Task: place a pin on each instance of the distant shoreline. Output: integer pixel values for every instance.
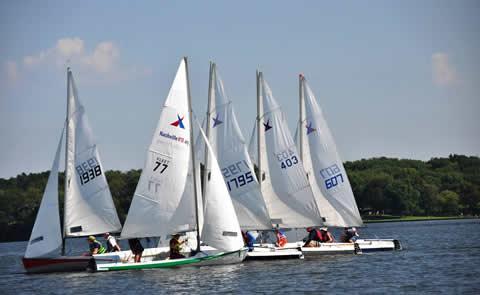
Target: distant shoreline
(390, 218)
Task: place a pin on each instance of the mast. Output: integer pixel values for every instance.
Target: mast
(300, 107)
(259, 111)
(192, 151)
(211, 91)
(67, 171)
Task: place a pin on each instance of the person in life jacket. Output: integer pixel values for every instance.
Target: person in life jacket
(281, 238)
(95, 246)
(317, 236)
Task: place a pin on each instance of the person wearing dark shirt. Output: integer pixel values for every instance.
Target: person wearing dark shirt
(176, 247)
(95, 246)
(136, 248)
(349, 235)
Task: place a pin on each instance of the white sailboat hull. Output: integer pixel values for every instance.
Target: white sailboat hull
(270, 252)
(360, 246)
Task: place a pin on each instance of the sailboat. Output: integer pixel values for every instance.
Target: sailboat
(328, 178)
(88, 207)
(283, 182)
(225, 136)
(166, 200)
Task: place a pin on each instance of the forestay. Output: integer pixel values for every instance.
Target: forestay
(221, 229)
(164, 199)
(330, 182)
(286, 190)
(46, 237)
(89, 207)
(229, 146)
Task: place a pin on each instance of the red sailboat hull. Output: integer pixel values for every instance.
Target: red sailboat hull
(57, 264)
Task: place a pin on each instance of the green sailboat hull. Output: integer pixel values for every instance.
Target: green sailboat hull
(198, 260)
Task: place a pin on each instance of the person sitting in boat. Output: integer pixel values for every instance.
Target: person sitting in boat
(112, 245)
(281, 238)
(95, 246)
(249, 239)
(176, 247)
(317, 236)
(349, 235)
(136, 248)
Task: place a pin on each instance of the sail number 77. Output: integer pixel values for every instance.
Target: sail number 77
(161, 165)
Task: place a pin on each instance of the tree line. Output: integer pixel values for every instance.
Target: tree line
(438, 187)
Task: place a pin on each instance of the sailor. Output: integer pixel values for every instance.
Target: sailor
(249, 239)
(317, 236)
(349, 235)
(136, 248)
(112, 245)
(95, 246)
(176, 247)
(281, 238)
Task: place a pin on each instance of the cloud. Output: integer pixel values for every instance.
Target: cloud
(12, 71)
(103, 61)
(443, 73)
(104, 57)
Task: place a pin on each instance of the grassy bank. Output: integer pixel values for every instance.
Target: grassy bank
(393, 218)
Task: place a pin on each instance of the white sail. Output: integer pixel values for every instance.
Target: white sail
(89, 207)
(329, 179)
(164, 198)
(230, 148)
(46, 237)
(286, 190)
(253, 145)
(221, 229)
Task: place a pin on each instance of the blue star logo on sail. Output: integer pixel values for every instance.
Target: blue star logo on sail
(216, 121)
(310, 129)
(179, 122)
(267, 125)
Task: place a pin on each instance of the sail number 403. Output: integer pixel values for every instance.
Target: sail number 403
(332, 176)
(286, 158)
(88, 170)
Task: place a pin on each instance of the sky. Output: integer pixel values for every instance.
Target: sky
(394, 78)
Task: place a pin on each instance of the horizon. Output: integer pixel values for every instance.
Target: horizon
(395, 80)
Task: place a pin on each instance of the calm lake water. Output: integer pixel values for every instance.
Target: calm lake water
(439, 257)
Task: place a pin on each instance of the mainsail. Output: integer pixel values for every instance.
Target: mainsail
(286, 190)
(164, 198)
(46, 237)
(328, 179)
(230, 148)
(89, 207)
